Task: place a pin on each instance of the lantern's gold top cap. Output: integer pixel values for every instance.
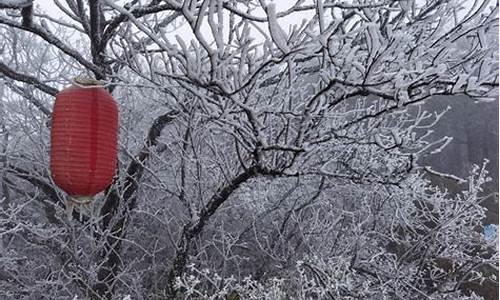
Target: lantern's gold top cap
(86, 81)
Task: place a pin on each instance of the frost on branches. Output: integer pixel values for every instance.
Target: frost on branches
(393, 243)
(267, 150)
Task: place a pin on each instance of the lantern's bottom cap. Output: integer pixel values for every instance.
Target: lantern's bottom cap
(81, 199)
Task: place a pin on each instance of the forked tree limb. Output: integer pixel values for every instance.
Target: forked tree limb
(53, 40)
(192, 230)
(107, 273)
(47, 188)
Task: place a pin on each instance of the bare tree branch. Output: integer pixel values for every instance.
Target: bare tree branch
(8, 72)
(15, 4)
(52, 39)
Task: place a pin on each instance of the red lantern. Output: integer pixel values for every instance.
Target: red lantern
(83, 140)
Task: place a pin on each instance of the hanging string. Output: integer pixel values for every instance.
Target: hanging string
(80, 201)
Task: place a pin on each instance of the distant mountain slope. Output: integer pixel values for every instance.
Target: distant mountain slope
(474, 128)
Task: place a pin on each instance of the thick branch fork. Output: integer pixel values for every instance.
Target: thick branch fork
(194, 229)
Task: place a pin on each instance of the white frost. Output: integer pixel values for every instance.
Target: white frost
(277, 33)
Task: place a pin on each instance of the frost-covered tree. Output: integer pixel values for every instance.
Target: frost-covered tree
(268, 150)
